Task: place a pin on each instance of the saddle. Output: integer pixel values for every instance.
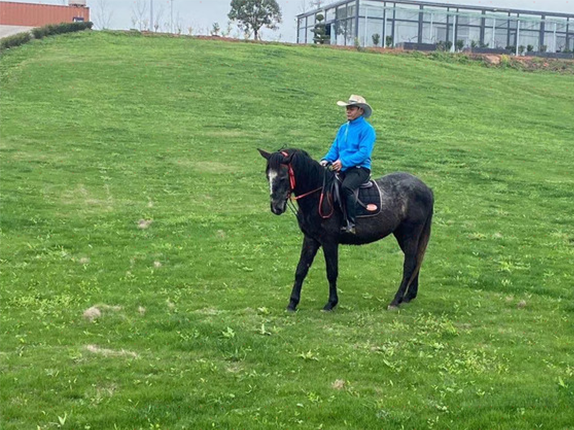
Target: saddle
(368, 195)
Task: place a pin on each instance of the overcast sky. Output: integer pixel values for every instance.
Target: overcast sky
(201, 14)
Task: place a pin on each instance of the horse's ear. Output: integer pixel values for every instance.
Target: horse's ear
(264, 154)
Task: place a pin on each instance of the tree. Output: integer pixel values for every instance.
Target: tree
(313, 4)
(251, 15)
(102, 16)
(215, 29)
(228, 30)
(156, 25)
(139, 14)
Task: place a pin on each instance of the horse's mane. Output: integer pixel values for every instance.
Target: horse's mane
(303, 165)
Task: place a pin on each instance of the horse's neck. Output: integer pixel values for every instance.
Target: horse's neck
(310, 204)
(308, 182)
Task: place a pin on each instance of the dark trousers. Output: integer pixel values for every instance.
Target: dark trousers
(352, 179)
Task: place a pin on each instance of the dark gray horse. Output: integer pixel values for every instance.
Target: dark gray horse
(407, 208)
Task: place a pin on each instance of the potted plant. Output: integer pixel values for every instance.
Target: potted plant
(459, 45)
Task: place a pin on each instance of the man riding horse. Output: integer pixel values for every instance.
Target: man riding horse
(350, 153)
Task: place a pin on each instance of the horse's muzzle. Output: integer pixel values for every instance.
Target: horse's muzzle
(278, 208)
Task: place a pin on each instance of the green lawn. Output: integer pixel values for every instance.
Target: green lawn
(130, 181)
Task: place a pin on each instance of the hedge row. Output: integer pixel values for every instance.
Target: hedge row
(40, 32)
(15, 40)
(65, 27)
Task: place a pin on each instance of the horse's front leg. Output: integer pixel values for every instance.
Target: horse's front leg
(331, 251)
(308, 252)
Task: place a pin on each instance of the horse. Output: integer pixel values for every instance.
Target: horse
(406, 212)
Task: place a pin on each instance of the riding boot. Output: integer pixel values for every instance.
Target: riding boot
(350, 203)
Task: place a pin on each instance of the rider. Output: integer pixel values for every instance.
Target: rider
(350, 153)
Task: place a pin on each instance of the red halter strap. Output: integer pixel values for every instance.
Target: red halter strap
(291, 173)
(292, 182)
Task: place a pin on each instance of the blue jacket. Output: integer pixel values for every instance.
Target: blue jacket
(353, 145)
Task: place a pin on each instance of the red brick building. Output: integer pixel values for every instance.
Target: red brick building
(17, 16)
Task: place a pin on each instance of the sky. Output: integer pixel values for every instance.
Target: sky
(200, 15)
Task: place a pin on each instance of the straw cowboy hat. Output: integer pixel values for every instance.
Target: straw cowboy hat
(360, 102)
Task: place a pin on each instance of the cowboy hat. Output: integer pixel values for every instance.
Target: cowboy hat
(359, 102)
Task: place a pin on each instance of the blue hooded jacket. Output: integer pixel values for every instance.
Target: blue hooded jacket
(353, 145)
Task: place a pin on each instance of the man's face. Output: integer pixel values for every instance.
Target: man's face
(354, 112)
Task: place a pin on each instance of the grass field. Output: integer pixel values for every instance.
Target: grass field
(130, 182)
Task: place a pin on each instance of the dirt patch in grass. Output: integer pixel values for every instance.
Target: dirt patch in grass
(96, 311)
(144, 223)
(339, 384)
(95, 349)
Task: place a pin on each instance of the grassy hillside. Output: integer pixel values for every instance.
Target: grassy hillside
(130, 182)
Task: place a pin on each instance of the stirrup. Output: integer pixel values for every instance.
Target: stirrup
(349, 228)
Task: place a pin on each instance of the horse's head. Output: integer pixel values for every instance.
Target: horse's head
(280, 177)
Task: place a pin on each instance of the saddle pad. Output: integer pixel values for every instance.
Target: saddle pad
(369, 200)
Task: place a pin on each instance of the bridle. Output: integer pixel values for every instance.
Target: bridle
(293, 183)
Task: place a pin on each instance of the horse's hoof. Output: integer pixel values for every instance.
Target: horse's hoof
(328, 308)
(393, 308)
(290, 309)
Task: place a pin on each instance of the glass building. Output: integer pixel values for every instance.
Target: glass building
(398, 22)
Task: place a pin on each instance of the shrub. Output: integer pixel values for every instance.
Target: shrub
(320, 31)
(65, 27)
(474, 44)
(542, 48)
(444, 46)
(376, 39)
(530, 48)
(459, 45)
(15, 40)
(521, 49)
(389, 41)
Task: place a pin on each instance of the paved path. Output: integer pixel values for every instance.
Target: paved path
(9, 30)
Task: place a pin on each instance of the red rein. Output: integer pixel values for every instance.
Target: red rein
(292, 184)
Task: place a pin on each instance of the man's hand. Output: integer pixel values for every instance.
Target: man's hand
(337, 165)
(323, 163)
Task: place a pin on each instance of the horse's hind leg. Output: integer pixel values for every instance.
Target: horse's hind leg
(413, 242)
(409, 266)
(411, 293)
(408, 239)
